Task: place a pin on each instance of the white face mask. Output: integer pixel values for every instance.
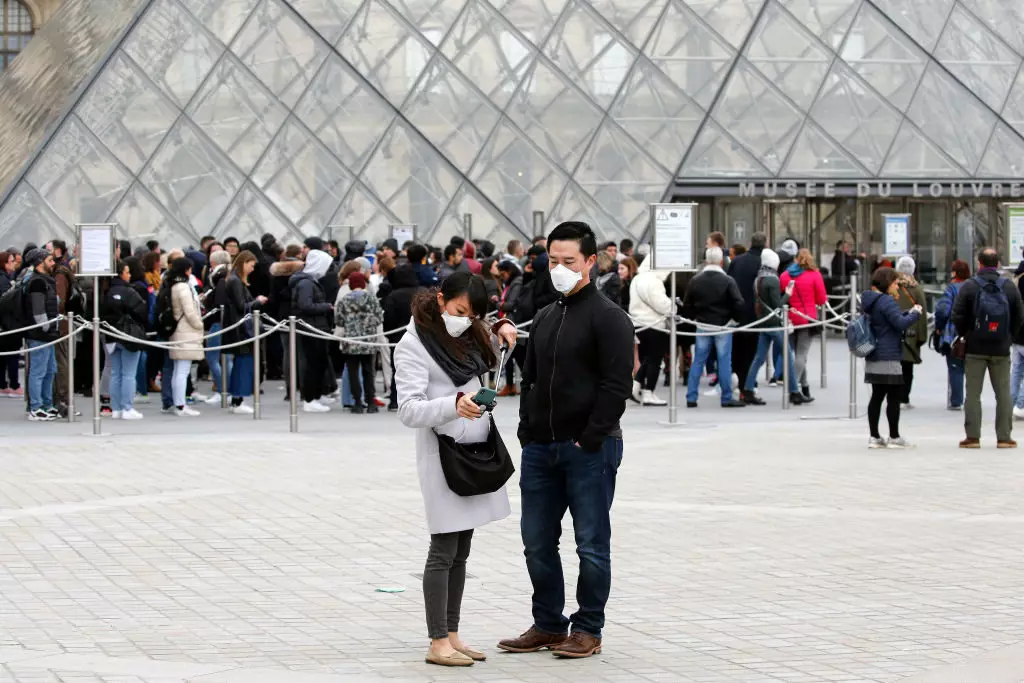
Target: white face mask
(563, 279)
(455, 324)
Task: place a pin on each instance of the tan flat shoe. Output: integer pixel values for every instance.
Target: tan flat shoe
(454, 659)
(475, 655)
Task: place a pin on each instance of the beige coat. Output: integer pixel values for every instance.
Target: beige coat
(185, 305)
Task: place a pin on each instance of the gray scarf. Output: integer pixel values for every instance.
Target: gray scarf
(459, 370)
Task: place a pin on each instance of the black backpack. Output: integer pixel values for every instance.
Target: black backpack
(166, 323)
(991, 311)
(12, 309)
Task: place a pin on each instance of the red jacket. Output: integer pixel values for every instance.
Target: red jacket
(808, 293)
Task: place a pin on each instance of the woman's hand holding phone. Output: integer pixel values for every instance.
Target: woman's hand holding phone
(467, 408)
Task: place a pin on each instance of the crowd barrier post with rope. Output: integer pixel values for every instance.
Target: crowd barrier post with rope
(293, 406)
(853, 358)
(71, 368)
(673, 354)
(256, 360)
(223, 360)
(822, 312)
(785, 357)
(97, 422)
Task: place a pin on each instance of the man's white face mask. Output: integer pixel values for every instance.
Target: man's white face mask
(564, 279)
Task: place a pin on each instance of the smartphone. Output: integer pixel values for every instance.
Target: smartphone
(485, 396)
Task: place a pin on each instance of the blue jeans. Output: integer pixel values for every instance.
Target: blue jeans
(41, 371)
(1016, 375)
(123, 365)
(767, 340)
(166, 377)
(955, 370)
(213, 358)
(240, 383)
(554, 478)
(722, 344)
(141, 385)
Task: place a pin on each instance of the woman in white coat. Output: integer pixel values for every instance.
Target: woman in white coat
(650, 306)
(438, 365)
(188, 335)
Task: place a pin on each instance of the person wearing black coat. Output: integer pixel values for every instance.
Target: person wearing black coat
(233, 293)
(123, 309)
(310, 305)
(9, 385)
(405, 285)
(744, 269)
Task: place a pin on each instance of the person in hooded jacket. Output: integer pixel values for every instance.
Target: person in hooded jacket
(279, 303)
(359, 313)
(9, 385)
(808, 294)
(608, 281)
(916, 336)
(745, 269)
(220, 267)
(397, 314)
(188, 335)
(650, 307)
(310, 305)
(787, 254)
(882, 369)
(126, 311)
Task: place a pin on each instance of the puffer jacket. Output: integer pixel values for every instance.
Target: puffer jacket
(888, 323)
(916, 335)
(185, 305)
(649, 305)
(358, 314)
(309, 303)
(808, 293)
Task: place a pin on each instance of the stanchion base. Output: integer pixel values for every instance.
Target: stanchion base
(666, 423)
(100, 434)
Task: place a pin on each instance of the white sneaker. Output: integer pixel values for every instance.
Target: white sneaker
(315, 407)
(242, 410)
(636, 391)
(169, 410)
(899, 443)
(131, 415)
(115, 414)
(649, 398)
(876, 443)
(198, 397)
(1018, 413)
(186, 412)
(327, 399)
(213, 400)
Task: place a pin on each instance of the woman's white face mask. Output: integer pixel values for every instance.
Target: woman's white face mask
(456, 324)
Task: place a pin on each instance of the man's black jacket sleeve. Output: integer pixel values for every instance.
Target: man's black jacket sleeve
(614, 335)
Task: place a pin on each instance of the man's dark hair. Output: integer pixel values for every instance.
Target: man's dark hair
(229, 240)
(207, 238)
(450, 251)
(718, 239)
(535, 251)
(609, 245)
(508, 267)
(988, 258)
(416, 253)
(152, 245)
(758, 240)
(839, 244)
(625, 245)
(486, 249)
(576, 231)
(62, 245)
(458, 241)
(883, 278)
(334, 244)
(538, 238)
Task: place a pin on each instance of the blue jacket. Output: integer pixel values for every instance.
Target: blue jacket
(425, 274)
(888, 323)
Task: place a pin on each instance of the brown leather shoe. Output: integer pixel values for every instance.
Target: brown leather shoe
(532, 641)
(578, 646)
(1009, 443)
(970, 443)
(507, 390)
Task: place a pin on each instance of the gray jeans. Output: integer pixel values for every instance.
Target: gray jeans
(444, 579)
(802, 347)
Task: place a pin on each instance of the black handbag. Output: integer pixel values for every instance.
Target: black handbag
(473, 469)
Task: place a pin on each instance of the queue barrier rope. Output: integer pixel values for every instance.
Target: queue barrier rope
(114, 333)
(29, 349)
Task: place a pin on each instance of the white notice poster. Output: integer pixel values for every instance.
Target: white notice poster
(673, 236)
(403, 234)
(897, 234)
(1015, 215)
(96, 250)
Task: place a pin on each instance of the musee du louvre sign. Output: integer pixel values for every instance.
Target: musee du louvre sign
(817, 189)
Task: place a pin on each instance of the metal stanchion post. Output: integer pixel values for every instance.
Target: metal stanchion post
(853, 358)
(673, 356)
(293, 417)
(97, 428)
(256, 360)
(71, 368)
(785, 357)
(822, 313)
(223, 365)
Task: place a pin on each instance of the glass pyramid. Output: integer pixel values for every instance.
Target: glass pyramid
(181, 118)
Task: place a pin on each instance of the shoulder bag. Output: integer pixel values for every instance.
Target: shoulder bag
(474, 469)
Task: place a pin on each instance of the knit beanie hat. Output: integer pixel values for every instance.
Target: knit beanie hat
(790, 247)
(769, 259)
(357, 281)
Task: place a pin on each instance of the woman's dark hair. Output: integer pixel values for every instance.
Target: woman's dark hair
(151, 262)
(485, 268)
(178, 271)
(427, 315)
(961, 269)
(125, 248)
(121, 265)
(209, 248)
(239, 263)
(883, 278)
(135, 269)
(5, 256)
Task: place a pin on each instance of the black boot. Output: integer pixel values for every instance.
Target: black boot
(806, 393)
(751, 399)
(798, 399)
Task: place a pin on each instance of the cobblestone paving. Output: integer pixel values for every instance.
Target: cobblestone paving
(748, 549)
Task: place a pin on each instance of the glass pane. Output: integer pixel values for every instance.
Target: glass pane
(78, 177)
(140, 219)
(127, 112)
(716, 154)
(452, 115)
(1005, 155)
(827, 19)
(689, 53)
(536, 16)
(370, 218)
(951, 117)
(814, 154)
(913, 156)
(635, 21)
(428, 16)
(758, 116)
(173, 49)
(25, 217)
(488, 223)
(328, 17)
(346, 115)
(883, 57)
(620, 177)
(222, 17)
(856, 116)
(922, 19)
(559, 118)
(731, 19)
(410, 178)
(238, 113)
(788, 55)
(1013, 112)
(249, 217)
(1005, 17)
(513, 175)
(280, 50)
(660, 118)
(302, 178)
(191, 178)
(378, 45)
(978, 58)
(489, 52)
(576, 205)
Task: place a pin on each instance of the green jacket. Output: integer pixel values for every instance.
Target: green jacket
(768, 291)
(916, 335)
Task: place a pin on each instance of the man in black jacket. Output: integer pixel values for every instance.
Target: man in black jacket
(41, 308)
(578, 375)
(714, 299)
(405, 286)
(744, 269)
(988, 313)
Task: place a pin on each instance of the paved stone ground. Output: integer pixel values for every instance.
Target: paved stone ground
(749, 546)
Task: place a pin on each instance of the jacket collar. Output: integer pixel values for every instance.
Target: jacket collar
(585, 293)
(713, 268)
